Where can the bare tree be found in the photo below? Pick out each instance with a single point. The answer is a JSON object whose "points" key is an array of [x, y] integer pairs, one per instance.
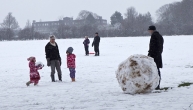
{"points": [[116, 18], [8, 25], [60, 18], [84, 13], [10, 22], [28, 24]]}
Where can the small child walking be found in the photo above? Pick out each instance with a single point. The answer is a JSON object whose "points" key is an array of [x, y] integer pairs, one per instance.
{"points": [[71, 63], [34, 74], [86, 45]]}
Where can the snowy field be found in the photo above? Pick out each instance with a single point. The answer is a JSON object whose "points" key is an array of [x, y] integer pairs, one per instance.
{"points": [[96, 87]]}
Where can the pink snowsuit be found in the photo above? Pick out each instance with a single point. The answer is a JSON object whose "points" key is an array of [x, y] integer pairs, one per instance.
{"points": [[34, 74]]}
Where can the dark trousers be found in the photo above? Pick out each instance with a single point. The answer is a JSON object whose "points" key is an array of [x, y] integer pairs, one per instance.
{"points": [[86, 50], [55, 64], [72, 72], [159, 73], [96, 49]]}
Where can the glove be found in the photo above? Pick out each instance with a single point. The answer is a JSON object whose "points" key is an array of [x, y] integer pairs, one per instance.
{"points": [[48, 62]]}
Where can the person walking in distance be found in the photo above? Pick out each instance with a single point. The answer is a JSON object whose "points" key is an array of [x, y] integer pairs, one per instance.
{"points": [[53, 58], [156, 49], [96, 43], [86, 45]]}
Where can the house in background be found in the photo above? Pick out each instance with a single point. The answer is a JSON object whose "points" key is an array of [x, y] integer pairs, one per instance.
{"points": [[49, 27]]}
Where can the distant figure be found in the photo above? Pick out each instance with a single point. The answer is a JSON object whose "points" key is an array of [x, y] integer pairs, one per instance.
{"points": [[96, 44], [156, 49], [71, 63], [53, 58], [86, 45], [34, 74]]}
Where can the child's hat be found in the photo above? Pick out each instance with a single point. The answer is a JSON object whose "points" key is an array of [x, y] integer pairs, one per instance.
{"points": [[69, 50], [31, 58]]}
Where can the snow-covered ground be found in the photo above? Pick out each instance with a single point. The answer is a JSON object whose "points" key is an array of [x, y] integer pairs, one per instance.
{"points": [[96, 87]]}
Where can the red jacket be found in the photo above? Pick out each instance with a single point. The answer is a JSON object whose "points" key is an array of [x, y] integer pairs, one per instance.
{"points": [[34, 74], [71, 61]]}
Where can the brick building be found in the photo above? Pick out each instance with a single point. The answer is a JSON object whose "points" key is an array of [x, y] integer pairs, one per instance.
{"points": [[50, 27]]}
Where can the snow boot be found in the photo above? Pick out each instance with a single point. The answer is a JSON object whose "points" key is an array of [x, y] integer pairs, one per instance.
{"points": [[35, 84], [158, 87], [28, 83], [60, 78], [53, 78], [73, 79]]}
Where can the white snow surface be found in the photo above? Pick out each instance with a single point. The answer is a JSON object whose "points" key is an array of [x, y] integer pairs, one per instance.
{"points": [[138, 74], [96, 86]]}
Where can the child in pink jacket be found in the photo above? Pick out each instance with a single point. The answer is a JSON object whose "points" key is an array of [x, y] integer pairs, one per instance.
{"points": [[71, 64], [34, 74]]}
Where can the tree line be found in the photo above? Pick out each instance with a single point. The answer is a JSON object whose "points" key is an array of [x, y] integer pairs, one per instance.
{"points": [[172, 19]]}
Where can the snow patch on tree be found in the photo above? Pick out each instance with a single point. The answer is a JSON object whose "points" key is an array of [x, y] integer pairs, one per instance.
{"points": [[138, 74]]}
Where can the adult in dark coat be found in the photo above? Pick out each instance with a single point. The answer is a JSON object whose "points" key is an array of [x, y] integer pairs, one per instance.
{"points": [[86, 45], [53, 58], [156, 49], [96, 44]]}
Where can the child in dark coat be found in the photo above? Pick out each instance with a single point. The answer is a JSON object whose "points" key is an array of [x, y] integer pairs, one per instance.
{"points": [[34, 74], [86, 45], [71, 63]]}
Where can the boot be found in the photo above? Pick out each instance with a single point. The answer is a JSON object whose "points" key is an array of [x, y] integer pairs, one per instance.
{"points": [[35, 84], [28, 83], [73, 79], [53, 78], [158, 87], [60, 78]]}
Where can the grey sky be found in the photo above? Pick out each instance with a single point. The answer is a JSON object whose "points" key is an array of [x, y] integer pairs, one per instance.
{"points": [[47, 10]]}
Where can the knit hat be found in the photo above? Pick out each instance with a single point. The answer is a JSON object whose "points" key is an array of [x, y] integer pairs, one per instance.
{"points": [[86, 37], [52, 37], [152, 28], [31, 58], [69, 50], [96, 33]]}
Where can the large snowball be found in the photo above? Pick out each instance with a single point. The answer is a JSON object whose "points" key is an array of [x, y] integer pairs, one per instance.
{"points": [[39, 64], [138, 74]]}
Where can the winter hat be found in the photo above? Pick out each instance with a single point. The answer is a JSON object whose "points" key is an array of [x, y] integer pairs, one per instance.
{"points": [[31, 58], [152, 28], [69, 50], [86, 37], [96, 33], [52, 37]]}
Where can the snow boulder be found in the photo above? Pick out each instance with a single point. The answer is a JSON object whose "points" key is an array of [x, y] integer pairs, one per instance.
{"points": [[39, 64], [138, 74]]}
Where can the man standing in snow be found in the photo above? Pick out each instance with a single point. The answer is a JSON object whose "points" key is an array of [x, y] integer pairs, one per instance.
{"points": [[53, 58], [96, 44], [156, 49]]}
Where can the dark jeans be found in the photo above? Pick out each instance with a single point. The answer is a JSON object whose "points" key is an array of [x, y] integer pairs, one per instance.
{"points": [[96, 49], [72, 72], [86, 50], [55, 64]]}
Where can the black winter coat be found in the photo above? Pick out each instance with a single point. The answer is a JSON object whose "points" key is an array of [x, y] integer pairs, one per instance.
{"points": [[86, 42], [52, 52], [96, 41], [156, 48]]}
